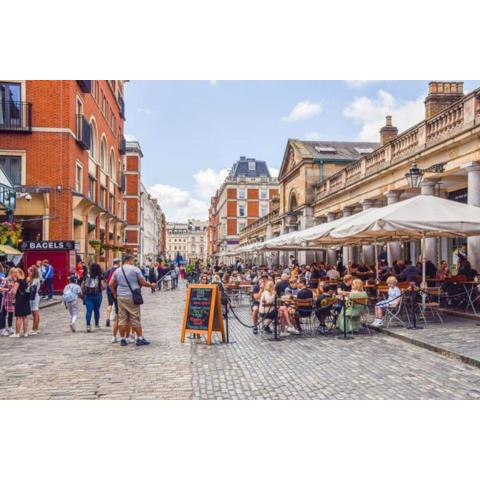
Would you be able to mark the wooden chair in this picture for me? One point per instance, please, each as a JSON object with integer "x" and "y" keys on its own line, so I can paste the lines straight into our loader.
{"x": 304, "y": 311}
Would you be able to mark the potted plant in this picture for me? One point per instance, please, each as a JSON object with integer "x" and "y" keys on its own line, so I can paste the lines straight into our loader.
{"x": 95, "y": 244}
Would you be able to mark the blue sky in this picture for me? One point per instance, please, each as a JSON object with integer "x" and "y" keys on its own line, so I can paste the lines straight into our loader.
{"x": 192, "y": 131}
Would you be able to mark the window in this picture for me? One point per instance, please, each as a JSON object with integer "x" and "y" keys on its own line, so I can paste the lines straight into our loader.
{"x": 79, "y": 106}
{"x": 93, "y": 140}
{"x": 103, "y": 154}
{"x": 111, "y": 166}
{"x": 241, "y": 210}
{"x": 263, "y": 210}
{"x": 263, "y": 193}
{"x": 103, "y": 197}
{"x": 92, "y": 186}
{"x": 78, "y": 178}
{"x": 241, "y": 193}
{"x": 251, "y": 165}
{"x": 241, "y": 226}
{"x": 12, "y": 167}
{"x": 10, "y": 106}
{"x": 111, "y": 204}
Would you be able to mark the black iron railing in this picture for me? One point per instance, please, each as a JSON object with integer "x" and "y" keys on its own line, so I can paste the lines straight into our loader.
{"x": 85, "y": 85}
{"x": 122, "y": 145}
{"x": 83, "y": 132}
{"x": 16, "y": 116}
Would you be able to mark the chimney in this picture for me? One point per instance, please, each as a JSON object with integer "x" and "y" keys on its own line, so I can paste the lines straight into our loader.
{"x": 441, "y": 95}
{"x": 388, "y": 132}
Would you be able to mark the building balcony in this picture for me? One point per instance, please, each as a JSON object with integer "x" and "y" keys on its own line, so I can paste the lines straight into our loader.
{"x": 16, "y": 117}
{"x": 83, "y": 132}
{"x": 122, "y": 145}
{"x": 85, "y": 85}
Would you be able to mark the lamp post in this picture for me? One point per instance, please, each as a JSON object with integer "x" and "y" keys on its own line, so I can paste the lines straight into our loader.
{"x": 415, "y": 175}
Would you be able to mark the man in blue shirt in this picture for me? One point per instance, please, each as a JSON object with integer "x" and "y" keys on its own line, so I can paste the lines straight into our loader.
{"x": 47, "y": 272}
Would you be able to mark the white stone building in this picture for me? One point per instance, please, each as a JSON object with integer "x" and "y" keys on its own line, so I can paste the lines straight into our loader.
{"x": 151, "y": 217}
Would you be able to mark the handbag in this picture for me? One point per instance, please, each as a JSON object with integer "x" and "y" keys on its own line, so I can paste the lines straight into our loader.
{"x": 136, "y": 294}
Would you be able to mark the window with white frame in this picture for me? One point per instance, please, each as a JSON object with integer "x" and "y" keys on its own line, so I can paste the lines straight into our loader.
{"x": 103, "y": 154}
{"x": 251, "y": 165}
{"x": 263, "y": 210}
{"x": 241, "y": 210}
{"x": 111, "y": 165}
{"x": 241, "y": 226}
{"x": 12, "y": 167}
{"x": 241, "y": 193}
{"x": 93, "y": 140}
{"x": 79, "y": 178}
{"x": 263, "y": 193}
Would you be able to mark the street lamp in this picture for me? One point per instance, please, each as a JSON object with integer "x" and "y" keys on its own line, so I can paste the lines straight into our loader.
{"x": 415, "y": 175}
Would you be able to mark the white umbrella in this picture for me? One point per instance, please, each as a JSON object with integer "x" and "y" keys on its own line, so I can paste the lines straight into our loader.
{"x": 417, "y": 217}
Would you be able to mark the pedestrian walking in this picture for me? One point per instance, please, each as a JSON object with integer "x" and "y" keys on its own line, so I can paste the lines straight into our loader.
{"x": 34, "y": 287}
{"x": 71, "y": 293}
{"x": 22, "y": 302}
{"x": 112, "y": 310}
{"x": 92, "y": 287}
{"x": 8, "y": 304}
{"x": 126, "y": 286}
{"x": 152, "y": 277}
{"x": 48, "y": 274}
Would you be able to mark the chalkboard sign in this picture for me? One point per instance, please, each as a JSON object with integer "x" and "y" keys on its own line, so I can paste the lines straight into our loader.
{"x": 203, "y": 312}
{"x": 199, "y": 306}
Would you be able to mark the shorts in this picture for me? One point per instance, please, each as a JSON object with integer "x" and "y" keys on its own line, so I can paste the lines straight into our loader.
{"x": 35, "y": 304}
{"x": 110, "y": 298}
{"x": 128, "y": 312}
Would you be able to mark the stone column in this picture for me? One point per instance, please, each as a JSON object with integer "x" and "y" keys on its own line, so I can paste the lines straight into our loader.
{"x": 331, "y": 252}
{"x": 394, "y": 249}
{"x": 431, "y": 252}
{"x": 347, "y": 252}
{"x": 368, "y": 250}
{"x": 473, "y": 243}
{"x": 306, "y": 221}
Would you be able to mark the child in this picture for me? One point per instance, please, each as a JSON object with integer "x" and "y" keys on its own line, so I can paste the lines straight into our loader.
{"x": 71, "y": 293}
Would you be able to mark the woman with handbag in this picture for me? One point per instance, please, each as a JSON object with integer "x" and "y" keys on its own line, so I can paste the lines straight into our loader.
{"x": 33, "y": 281}
{"x": 92, "y": 287}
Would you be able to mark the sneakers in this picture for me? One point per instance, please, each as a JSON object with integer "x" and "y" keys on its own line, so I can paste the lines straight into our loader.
{"x": 4, "y": 333}
{"x": 267, "y": 329}
{"x": 141, "y": 341}
{"x": 33, "y": 332}
{"x": 293, "y": 330}
{"x": 10, "y": 330}
{"x": 89, "y": 329}
{"x": 114, "y": 340}
{"x": 107, "y": 323}
{"x": 72, "y": 327}
{"x": 123, "y": 342}
{"x": 255, "y": 330}
{"x": 378, "y": 322}
{"x": 14, "y": 335}
{"x": 131, "y": 339}
{"x": 97, "y": 327}
{"x": 25, "y": 334}
{"x": 284, "y": 334}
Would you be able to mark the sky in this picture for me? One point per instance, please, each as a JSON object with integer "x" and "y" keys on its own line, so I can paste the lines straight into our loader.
{"x": 192, "y": 132}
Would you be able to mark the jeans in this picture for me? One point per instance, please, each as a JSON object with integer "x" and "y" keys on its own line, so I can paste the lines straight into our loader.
{"x": 93, "y": 302}
{"x": 4, "y": 315}
{"x": 48, "y": 283}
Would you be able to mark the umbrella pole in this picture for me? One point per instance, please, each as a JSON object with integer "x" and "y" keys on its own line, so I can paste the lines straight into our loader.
{"x": 375, "y": 247}
{"x": 414, "y": 314}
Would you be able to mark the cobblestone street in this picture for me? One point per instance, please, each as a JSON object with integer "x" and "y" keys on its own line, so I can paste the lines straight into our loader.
{"x": 59, "y": 364}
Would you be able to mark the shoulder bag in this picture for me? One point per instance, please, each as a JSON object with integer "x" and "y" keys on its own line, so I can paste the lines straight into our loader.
{"x": 136, "y": 294}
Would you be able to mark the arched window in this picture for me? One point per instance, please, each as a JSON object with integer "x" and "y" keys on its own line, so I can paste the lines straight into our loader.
{"x": 111, "y": 164}
{"x": 103, "y": 154}
{"x": 293, "y": 201}
{"x": 93, "y": 140}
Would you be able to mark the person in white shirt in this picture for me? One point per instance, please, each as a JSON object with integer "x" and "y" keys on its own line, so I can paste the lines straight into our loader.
{"x": 267, "y": 305}
{"x": 333, "y": 273}
{"x": 394, "y": 294}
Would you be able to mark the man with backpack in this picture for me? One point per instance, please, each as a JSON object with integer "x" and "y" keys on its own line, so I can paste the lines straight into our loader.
{"x": 47, "y": 274}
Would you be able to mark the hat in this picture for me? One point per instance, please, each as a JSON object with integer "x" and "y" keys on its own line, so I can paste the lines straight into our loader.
{"x": 116, "y": 260}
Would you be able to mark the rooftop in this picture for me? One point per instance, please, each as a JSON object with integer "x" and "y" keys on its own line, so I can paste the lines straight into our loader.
{"x": 249, "y": 167}
{"x": 326, "y": 150}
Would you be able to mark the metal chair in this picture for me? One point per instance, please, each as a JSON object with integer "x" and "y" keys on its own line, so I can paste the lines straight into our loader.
{"x": 393, "y": 313}
{"x": 429, "y": 306}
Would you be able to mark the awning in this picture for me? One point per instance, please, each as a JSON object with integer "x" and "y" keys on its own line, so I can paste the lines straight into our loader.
{"x": 8, "y": 250}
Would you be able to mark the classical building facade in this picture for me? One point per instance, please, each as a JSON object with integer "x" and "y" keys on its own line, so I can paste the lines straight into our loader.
{"x": 212, "y": 231}
{"x": 245, "y": 195}
{"x": 177, "y": 240}
{"x": 62, "y": 146}
{"x": 448, "y": 136}
{"x": 197, "y": 240}
{"x": 152, "y": 227}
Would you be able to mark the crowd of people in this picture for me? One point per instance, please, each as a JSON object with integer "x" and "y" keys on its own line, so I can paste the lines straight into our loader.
{"x": 330, "y": 288}
{"x": 20, "y": 294}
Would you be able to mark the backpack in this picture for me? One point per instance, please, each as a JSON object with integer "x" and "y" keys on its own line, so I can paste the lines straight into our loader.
{"x": 69, "y": 295}
{"x": 92, "y": 286}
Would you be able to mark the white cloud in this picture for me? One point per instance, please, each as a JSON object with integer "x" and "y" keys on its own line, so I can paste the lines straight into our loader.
{"x": 359, "y": 83}
{"x": 178, "y": 204}
{"x": 312, "y": 136}
{"x": 207, "y": 181}
{"x": 146, "y": 111}
{"x": 274, "y": 171}
{"x": 370, "y": 113}
{"x": 130, "y": 138}
{"x": 303, "y": 110}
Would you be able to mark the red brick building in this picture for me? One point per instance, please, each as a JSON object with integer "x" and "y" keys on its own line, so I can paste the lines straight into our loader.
{"x": 133, "y": 197}
{"x": 62, "y": 144}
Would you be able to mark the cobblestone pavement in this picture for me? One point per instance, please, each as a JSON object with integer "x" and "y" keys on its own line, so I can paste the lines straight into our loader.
{"x": 60, "y": 365}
